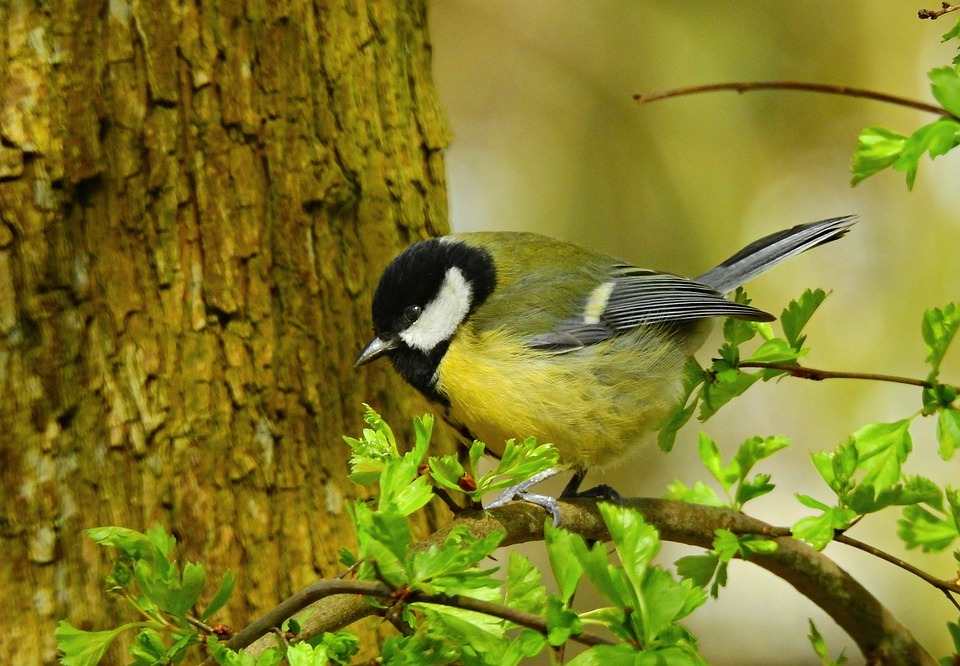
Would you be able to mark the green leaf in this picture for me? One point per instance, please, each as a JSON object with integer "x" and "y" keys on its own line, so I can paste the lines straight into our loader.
{"x": 864, "y": 498}
{"x": 447, "y": 472}
{"x": 728, "y": 384}
{"x": 527, "y": 644}
{"x": 693, "y": 378}
{"x": 756, "y": 487}
{"x": 402, "y": 487}
{"x": 776, "y": 350}
{"x": 795, "y": 316}
{"x": 665, "y": 598}
{"x": 837, "y": 467}
{"x": 818, "y": 531}
{"x": 222, "y": 595}
{"x": 954, "y": 627}
{"x": 131, "y": 543}
{"x": 148, "y": 649}
{"x": 163, "y": 542}
{"x": 636, "y": 541}
{"x": 194, "y": 578}
{"x": 378, "y": 540}
{"x": 755, "y": 449}
{"x": 948, "y": 431}
{"x": 882, "y": 448}
{"x": 85, "y": 648}
{"x": 422, "y": 430}
{"x": 877, "y": 149}
{"x": 164, "y": 585}
{"x": 429, "y": 647}
{"x": 450, "y": 568}
{"x": 917, "y": 489}
{"x": 945, "y": 86}
{"x": 566, "y": 570}
{"x": 698, "y": 568}
{"x": 701, "y": 493}
{"x": 304, "y": 654}
{"x": 519, "y": 462}
{"x": 710, "y": 456}
{"x": 561, "y": 622}
{"x": 738, "y": 331}
{"x": 920, "y": 528}
{"x": 748, "y": 454}
{"x": 812, "y": 503}
{"x": 952, "y": 33}
{"x": 600, "y": 572}
{"x": 523, "y": 590}
{"x": 938, "y": 328}
{"x": 936, "y": 138}
{"x": 820, "y": 647}
{"x": 727, "y": 545}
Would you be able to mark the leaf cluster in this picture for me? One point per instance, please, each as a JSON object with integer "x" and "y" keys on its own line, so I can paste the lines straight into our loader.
{"x": 646, "y": 602}
{"x": 879, "y": 148}
{"x": 707, "y": 390}
{"x": 160, "y": 591}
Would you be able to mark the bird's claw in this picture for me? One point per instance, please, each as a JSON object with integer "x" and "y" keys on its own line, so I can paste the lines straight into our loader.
{"x": 521, "y": 492}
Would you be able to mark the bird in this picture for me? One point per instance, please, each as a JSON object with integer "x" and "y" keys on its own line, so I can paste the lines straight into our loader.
{"x": 514, "y": 334}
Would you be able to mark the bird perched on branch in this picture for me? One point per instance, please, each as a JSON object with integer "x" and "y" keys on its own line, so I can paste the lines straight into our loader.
{"x": 517, "y": 334}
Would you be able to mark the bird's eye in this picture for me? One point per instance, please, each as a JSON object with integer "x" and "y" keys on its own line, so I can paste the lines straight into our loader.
{"x": 412, "y": 313}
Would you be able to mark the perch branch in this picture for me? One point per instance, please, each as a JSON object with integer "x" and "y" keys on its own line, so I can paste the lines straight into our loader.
{"x": 879, "y": 636}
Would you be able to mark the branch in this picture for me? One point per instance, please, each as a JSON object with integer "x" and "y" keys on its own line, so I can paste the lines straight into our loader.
{"x": 934, "y": 14}
{"x": 748, "y": 86}
{"x": 879, "y": 636}
{"x": 949, "y": 588}
{"x": 803, "y": 372}
{"x": 367, "y": 588}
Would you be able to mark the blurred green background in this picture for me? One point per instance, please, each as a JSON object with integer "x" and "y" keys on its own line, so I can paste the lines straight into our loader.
{"x": 548, "y": 138}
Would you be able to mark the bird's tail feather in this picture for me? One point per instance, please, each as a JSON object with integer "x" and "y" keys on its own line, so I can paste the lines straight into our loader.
{"x": 771, "y": 250}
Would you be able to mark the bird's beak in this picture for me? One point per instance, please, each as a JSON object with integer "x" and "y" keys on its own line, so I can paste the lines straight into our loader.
{"x": 375, "y": 349}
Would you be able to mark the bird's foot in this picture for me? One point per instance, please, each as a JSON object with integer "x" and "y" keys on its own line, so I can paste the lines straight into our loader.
{"x": 521, "y": 492}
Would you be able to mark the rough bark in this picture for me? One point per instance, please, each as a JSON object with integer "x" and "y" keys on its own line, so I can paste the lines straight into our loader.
{"x": 195, "y": 201}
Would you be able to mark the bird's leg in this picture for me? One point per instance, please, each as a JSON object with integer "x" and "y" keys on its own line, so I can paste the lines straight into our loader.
{"x": 573, "y": 486}
{"x": 601, "y": 492}
{"x": 519, "y": 492}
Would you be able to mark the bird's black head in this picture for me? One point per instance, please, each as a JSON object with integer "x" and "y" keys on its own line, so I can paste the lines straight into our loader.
{"x": 424, "y": 295}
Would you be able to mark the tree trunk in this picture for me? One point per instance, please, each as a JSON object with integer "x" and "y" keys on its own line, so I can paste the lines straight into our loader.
{"x": 196, "y": 199}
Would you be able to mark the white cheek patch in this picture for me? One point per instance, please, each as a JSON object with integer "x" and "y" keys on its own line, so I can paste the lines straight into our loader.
{"x": 442, "y": 315}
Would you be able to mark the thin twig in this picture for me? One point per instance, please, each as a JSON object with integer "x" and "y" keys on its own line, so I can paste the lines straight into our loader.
{"x": 200, "y": 625}
{"x": 748, "y": 86}
{"x": 445, "y": 497}
{"x": 934, "y": 14}
{"x": 949, "y": 588}
{"x": 803, "y": 372}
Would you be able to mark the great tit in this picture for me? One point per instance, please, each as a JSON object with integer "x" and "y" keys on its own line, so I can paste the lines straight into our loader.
{"x": 516, "y": 334}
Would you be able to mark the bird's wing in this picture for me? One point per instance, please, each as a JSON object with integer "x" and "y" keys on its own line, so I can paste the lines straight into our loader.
{"x": 635, "y": 297}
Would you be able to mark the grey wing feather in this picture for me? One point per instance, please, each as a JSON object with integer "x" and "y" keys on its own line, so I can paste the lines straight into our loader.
{"x": 655, "y": 299}
{"x": 643, "y": 298}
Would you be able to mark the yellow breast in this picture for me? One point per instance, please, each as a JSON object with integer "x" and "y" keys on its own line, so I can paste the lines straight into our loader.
{"x": 593, "y": 404}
